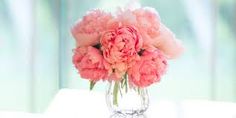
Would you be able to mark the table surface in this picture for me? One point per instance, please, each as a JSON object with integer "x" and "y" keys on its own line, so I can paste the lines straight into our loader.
{"x": 72, "y": 103}
{"x": 19, "y": 114}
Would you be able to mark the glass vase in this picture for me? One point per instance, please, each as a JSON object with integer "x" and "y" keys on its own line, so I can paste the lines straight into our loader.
{"x": 124, "y": 100}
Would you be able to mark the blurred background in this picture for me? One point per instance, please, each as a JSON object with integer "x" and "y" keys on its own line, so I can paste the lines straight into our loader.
{"x": 36, "y": 50}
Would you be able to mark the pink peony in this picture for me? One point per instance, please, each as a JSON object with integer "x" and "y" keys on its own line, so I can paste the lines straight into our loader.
{"x": 153, "y": 32}
{"x": 167, "y": 43}
{"x": 148, "y": 21}
{"x": 90, "y": 63}
{"x": 149, "y": 69}
{"x": 132, "y": 41}
{"x": 88, "y": 30}
{"x": 120, "y": 47}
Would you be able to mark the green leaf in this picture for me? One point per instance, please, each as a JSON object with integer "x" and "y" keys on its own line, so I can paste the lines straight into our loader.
{"x": 92, "y": 84}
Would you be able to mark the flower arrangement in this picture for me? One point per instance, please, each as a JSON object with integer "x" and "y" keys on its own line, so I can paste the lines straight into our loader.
{"x": 129, "y": 47}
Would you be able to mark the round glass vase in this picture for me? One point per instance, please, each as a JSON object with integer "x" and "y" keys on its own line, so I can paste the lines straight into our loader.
{"x": 125, "y": 100}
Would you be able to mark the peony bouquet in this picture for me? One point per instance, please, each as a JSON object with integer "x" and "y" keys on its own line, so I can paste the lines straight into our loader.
{"x": 130, "y": 47}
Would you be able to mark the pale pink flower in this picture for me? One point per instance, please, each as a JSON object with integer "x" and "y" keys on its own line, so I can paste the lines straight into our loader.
{"x": 149, "y": 69}
{"x": 88, "y": 30}
{"x": 148, "y": 21}
{"x": 120, "y": 47}
{"x": 90, "y": 63}
{"x": 167, "y": 43}
{"x": 153, "y": 32}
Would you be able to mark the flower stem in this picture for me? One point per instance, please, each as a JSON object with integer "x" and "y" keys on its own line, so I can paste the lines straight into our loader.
{"x": 122, "y": 83}
{"x": 126, "y": 83}
{"x": 115, "y": 93}
{"x": 138, "y": 90}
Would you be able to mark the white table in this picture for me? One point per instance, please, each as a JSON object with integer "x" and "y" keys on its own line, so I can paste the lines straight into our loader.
{"x": 18, "y": 114}
{"x": 72, "y": 103}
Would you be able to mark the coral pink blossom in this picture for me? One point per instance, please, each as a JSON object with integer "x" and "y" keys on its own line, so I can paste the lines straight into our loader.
{"x": 90, "y": 63}
{"x": 149, "y": 69}
{"x": 88, "y": 30}
{"x": 120, "y": 47}
{"x": 117, "y": 70}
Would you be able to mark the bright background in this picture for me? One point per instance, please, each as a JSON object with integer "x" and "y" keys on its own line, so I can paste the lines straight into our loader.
{"x": 36, "y": 50}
